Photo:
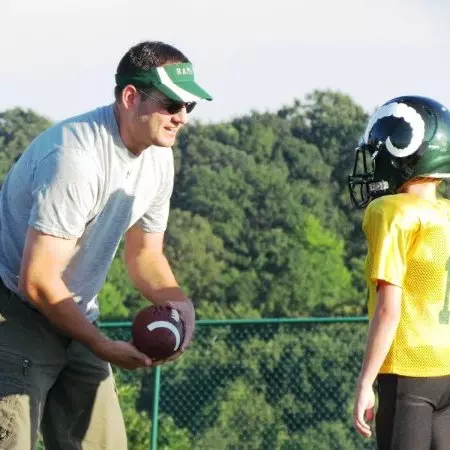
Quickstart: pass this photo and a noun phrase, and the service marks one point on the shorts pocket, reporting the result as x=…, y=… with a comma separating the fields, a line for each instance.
x=13, y=380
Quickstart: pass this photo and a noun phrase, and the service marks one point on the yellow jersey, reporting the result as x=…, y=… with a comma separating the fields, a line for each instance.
x=409, y=246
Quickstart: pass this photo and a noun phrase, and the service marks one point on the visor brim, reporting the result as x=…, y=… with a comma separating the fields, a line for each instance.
x=188, y=91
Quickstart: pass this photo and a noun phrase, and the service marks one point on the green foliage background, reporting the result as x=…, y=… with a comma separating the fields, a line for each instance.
x=260, y=226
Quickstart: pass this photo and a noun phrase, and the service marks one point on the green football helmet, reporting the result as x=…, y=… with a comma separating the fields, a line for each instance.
x=407, y=138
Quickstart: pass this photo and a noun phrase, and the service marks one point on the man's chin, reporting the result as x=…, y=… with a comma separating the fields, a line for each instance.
x=165, y=142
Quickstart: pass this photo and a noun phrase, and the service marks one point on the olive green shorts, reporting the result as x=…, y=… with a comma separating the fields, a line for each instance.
x=52, y=383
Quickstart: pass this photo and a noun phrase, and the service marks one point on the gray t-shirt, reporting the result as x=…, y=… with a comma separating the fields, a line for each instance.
x=77, y=180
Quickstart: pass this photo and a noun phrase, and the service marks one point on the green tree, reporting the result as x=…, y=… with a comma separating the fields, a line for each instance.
x=198, y=258
x=18, y=127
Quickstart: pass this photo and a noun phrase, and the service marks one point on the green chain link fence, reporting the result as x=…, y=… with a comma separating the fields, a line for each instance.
x=264, y=384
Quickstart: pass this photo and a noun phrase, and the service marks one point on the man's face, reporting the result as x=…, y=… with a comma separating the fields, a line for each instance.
x=153, y=124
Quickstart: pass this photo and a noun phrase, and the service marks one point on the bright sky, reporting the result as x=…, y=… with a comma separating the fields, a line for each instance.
x=59, y=57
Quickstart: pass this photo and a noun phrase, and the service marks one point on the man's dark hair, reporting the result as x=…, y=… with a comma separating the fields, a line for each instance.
x=146, y=55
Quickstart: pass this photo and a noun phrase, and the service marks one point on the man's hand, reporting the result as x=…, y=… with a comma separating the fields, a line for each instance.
x=187, y=314
x=363, y=411
x=122, y=354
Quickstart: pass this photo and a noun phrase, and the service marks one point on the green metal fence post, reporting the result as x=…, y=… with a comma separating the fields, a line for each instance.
x=155, y=409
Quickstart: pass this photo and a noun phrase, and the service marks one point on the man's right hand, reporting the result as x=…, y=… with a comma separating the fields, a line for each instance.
x=121, y=354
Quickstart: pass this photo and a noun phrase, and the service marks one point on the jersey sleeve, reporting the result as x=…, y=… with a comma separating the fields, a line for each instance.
x=64, y=193
x=157, y=215
x=389, y=231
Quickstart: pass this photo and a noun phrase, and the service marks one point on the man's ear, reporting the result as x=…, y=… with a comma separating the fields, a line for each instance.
x=129, y=96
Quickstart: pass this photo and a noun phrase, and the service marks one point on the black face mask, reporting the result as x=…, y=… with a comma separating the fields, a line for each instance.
x=363, y=183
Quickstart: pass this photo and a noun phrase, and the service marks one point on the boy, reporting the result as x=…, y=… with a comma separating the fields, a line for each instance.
x=404, y=155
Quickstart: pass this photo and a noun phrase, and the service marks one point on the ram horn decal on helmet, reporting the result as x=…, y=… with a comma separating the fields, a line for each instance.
x=409, y=115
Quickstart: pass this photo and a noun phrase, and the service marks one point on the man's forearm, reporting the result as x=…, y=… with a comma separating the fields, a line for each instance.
x=154, y=278
x=60, y=308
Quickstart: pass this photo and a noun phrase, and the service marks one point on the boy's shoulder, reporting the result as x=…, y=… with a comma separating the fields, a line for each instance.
x=402, y=204
x=402, y=209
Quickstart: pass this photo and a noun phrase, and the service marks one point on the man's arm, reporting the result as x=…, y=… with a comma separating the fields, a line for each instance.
x=153, y=277
x=44, y=259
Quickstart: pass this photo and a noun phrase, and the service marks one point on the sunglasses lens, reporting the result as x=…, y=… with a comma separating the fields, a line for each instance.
x=190, y=106
x=175, y=107
x=172, y=107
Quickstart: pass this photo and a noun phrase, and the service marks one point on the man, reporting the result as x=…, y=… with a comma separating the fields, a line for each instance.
x=402, y=158
x=75, y=192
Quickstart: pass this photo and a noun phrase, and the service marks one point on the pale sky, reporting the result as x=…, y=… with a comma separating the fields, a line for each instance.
x=59, y=57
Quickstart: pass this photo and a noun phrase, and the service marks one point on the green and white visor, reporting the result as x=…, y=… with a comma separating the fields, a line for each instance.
x=176, y=81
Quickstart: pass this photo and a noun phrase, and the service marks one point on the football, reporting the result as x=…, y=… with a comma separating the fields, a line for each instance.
x=157, y=331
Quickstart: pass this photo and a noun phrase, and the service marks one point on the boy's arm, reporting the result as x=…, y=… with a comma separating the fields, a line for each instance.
x=383, y=327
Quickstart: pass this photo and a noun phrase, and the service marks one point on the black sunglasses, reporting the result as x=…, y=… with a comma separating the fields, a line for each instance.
x=171, y=106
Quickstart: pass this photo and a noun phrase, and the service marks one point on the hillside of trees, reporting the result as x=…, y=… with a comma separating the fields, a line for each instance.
x=261, y=226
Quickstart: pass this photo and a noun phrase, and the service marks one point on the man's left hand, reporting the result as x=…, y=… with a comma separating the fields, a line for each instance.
x=187, y=314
